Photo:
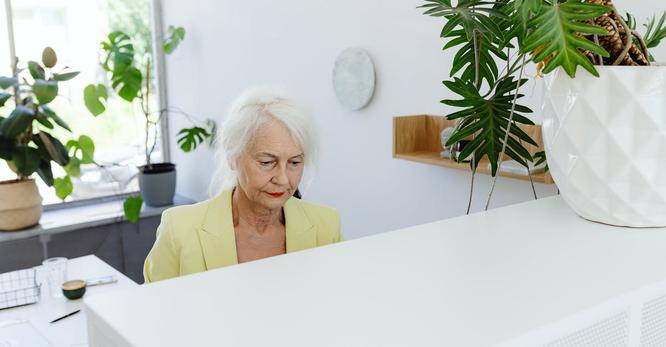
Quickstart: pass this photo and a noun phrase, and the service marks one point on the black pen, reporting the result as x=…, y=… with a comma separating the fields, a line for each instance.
x=65, y=316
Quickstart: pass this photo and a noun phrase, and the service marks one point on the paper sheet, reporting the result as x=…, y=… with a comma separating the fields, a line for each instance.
x=21, y=334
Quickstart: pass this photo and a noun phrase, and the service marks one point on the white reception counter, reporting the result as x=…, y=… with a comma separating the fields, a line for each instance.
x=477, y=280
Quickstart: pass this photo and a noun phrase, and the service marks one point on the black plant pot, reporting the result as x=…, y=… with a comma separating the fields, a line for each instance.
x=157, y=183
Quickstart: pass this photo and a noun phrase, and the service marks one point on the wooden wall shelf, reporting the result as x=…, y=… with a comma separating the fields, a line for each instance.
x=416, y=138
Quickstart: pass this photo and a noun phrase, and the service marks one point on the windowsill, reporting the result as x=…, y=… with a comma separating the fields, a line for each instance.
x=81, y=217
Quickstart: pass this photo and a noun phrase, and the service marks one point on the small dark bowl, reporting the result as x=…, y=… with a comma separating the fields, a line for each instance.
x=74, y=289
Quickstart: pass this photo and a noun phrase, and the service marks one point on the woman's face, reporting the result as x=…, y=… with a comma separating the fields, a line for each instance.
x=271, y=168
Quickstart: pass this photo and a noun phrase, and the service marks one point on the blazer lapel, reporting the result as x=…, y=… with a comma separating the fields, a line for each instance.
x=301, y=233
x=216, y=234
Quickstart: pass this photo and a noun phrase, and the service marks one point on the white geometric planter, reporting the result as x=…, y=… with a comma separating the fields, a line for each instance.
x=605, y=142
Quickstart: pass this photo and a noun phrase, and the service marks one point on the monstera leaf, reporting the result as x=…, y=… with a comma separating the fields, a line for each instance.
x=190, y=138
x=555, y=39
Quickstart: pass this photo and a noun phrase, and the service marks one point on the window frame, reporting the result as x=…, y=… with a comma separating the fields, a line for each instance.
x=160, y=79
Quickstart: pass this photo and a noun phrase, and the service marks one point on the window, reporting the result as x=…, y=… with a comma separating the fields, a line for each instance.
x=74, y=29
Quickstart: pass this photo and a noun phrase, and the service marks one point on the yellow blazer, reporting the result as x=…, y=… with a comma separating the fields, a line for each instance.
x=200, y=237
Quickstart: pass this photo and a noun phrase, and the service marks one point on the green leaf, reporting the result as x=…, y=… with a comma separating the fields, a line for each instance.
x=127, y=83
x=73, y=167
x=4, y=97
x=540, y=158
x=555, y=39
x=44, y=171
x=472, y=15
x=132, y=207
x=51, y=114
x=6, y=82
x=174, y=38
x=93, y=96
x=36, y=70
x=17, y=122
x=119, y=52
x=6, y=148
x=52, y=147
x=26, y=159
x=87, y=147
x=45, y=91
x=190, y=138
x=485, y=118
x=43, y=120
x=63, y=187
x=656, y=31
x=125, y=78
x=61, y=77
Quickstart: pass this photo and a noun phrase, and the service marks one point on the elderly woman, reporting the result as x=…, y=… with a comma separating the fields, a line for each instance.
x=264, y=145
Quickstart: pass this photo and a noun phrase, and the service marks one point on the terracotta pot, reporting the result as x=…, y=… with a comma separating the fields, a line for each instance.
x=20, y=204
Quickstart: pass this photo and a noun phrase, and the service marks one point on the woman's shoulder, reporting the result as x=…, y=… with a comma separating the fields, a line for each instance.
x=185, y=217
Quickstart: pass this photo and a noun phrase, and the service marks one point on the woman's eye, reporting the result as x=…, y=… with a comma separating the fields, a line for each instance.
x=295, y=163
x=265, y=163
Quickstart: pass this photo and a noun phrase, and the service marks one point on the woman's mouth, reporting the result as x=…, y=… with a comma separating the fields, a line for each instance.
x=276, y=195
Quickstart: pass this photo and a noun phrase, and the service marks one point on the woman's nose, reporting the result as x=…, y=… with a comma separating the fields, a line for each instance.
x=280, y=175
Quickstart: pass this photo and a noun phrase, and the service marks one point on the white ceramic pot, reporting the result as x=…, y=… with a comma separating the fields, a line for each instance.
x=605, y=142
x=20, y=205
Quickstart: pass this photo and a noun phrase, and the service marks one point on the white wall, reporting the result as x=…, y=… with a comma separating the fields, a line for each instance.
x=292, y=44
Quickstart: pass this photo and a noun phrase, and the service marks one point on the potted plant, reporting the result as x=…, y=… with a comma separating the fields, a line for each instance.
x=28, y=142
x=132, y=83
x=495, y=41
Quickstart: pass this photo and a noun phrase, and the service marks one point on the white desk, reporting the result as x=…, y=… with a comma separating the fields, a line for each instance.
x=72, y=330
x=477, y=280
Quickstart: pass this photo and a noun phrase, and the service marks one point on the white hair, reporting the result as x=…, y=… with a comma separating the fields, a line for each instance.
x=252, y=109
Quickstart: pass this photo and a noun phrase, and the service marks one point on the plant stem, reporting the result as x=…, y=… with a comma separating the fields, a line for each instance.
x=506, y=133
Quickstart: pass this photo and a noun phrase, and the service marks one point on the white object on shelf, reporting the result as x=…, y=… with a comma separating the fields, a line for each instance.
x=512, y=166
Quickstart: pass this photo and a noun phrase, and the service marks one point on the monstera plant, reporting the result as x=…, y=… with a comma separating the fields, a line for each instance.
x=495, y=41
x=132, y=83
x=28, y=141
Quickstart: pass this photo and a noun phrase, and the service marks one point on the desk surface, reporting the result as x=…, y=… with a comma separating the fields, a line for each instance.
x=476, y=280
x=70, y=331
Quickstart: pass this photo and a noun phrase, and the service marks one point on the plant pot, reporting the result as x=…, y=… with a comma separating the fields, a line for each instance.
x=605, y=142
x=20, y=205
x=157, y=184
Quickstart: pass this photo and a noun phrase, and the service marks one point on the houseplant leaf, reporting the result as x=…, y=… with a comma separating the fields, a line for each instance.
x=17, y=122
x=6, y=82
x=190, y=138
x=52, y=147
x=132, y=207
x=93, y=95
x=26, y=159
x=36, y=70
x=44, y=171
x=486, y=117
x=52, y=115
x=127, y=83
x=45, y=91
x=555, y=39
x=174, y=38
x=61, y=77
x=4, y=97
x=63, y=187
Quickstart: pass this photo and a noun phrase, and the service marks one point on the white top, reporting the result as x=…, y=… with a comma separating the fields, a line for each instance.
x=476, y=280
x=70, y=331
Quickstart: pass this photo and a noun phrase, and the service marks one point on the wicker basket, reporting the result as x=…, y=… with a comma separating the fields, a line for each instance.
x=20, y=204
